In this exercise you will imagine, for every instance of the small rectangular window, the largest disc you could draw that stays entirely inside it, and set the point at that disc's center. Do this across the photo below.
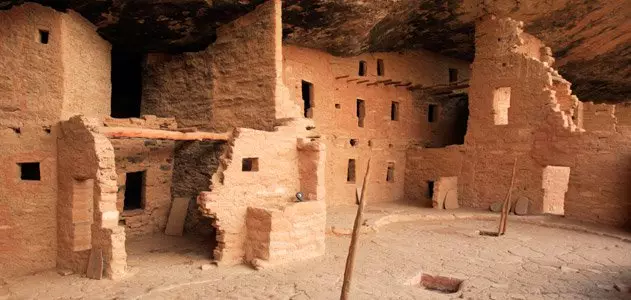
(44, 36)
(307, 98)
(361, 112)
(453, 75)
(390, 174)
(134, 191)
(29, 171)
(394, 111)
(350, 172)
(380, 68)
(250, 164)
(432, 113)
(362, 68)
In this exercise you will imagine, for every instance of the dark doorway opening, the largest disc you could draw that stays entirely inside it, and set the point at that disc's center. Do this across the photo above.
(126, 83)
(390, 173)
(307, 98)
(432, 113)
(430, 189)
(380, 68)
(453, 75)
(134, 191)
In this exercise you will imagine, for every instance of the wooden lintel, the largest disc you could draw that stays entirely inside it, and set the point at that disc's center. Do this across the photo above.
(157, 134)
(342, 77)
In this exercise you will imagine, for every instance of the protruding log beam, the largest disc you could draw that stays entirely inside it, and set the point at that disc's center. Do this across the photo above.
(156, 134)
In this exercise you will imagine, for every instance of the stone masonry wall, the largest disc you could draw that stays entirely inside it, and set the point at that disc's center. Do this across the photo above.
(292, 233)
(155, 159)
(336, 88)
(233, 83)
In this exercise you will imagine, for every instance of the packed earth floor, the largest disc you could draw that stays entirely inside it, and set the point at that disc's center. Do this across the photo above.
(529, 262)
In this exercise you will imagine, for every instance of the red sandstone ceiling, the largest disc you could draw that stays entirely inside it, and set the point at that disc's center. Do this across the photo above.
(590, 38)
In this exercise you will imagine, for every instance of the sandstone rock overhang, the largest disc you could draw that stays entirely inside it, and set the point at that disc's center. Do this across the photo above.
(590, 38)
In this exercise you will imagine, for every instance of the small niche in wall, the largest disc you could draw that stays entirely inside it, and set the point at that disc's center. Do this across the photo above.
(350, 172)
(380, 68)
(501, 104)
(250, 164)
(394, 111)
(29, 171)
(354, 142)
(134, 190)
(361, 112)
(430, 189)
(390, 173)
(307, 98)
(432, 113)
(362, 68)
(338, 106)
(453, 75)
(44, 36)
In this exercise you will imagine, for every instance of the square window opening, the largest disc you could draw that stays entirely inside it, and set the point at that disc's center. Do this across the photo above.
(380, 68)
(338, 106)
(134, 191)
(44, 36)
(362, 68)
(453, 75)
(29, 171)
(394, 111)
(432, 113)
(361, 112)
(350, 172)
(390, 173)
(250, 164)
(307, 98)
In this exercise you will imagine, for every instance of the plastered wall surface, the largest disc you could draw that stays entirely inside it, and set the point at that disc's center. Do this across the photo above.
(336, 89)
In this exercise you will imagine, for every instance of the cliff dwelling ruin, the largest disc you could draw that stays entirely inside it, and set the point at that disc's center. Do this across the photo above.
(219, 149)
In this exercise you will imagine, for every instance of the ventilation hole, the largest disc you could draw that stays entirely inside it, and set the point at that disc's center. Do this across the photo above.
(354, 142)
(17, 130)
(338, 106)
(369, 143)
(46, 129)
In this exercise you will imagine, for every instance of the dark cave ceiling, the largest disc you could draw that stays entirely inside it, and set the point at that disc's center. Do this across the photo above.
(591, 39)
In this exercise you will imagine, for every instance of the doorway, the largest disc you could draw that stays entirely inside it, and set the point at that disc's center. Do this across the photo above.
(555, 184)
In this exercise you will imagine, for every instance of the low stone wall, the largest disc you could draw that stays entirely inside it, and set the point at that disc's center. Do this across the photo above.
(285, 234)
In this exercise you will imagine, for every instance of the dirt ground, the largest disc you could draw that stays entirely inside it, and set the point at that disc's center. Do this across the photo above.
(530, 262)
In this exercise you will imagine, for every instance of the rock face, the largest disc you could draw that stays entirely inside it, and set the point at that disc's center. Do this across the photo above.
(589, 37)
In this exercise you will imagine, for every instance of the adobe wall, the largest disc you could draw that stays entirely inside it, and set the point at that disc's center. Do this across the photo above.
(155, 158)
(505, 59)
(292, 233)
(275, 182)
(28, 209)
(87, 214)
(33, 98)
(87, 68)
(233, 83)
(336, 88)
(429, 164)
